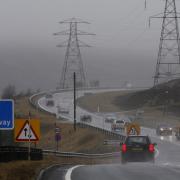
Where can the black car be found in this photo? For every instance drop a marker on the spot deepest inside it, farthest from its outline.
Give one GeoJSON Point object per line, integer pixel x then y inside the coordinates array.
{"type": "Point", "coordinates": [138, 148]}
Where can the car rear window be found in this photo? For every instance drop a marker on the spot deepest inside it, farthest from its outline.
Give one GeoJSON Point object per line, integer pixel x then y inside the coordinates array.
{"type": "Point", "coordinates": [137, 139]}
{"type": "Point", "coordinates": [120, 122]}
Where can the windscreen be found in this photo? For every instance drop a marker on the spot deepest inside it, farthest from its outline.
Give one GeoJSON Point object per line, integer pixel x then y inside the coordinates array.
{"type": "Point", "coordinates": [139, 140]}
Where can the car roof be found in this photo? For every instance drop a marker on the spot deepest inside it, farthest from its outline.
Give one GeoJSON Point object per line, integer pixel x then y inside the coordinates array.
{"type": "Point", "coordinates": [141, 136]}
{"type": "Point", "coordinates": [164, 125]}
{"type": "Point", "coordinates": [137, 136]}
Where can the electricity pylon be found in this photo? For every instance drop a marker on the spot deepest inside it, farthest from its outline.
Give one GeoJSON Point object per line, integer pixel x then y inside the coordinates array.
{"type": "Point", "coordinates": [168, 61]}
{"type": "Point", "coordinates": [73, 60]}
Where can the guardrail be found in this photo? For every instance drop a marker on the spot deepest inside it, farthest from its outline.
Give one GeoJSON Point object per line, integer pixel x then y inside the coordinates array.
{"type": "Point", "coordinates": [112, 142]}
{"type": "Point", "coordinates": [104, 131]}
{"type": "Point", "coordinates": [82, 125]}
{"type": "Point", "coordinates": [11, 153]}
{"type": "Point", "coordinates": [80, 155]}
{"type": "Point", "coordinates": [35, 104]}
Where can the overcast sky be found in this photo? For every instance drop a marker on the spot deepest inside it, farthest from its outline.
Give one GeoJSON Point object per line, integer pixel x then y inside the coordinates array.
{"type": "Point", "coordinates": [124, 47]}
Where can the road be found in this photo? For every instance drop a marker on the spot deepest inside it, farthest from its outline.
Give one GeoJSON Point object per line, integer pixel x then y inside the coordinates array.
{"type": "Point", "coordinates": [66, 99]}
{"type": "Point", "coordinates": [130, 172]}
{"type": "Point", "coordinates": [166, 167]}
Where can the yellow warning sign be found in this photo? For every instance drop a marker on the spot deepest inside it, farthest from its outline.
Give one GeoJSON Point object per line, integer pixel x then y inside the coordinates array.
{"type": "Point", "coordinates": [26, 130]}
{"type": "Point", "coordinates": [133, 129]}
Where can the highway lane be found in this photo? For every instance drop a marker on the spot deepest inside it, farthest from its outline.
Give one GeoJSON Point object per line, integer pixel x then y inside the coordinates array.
{"type": "Point", "coordinates": [167, 165]}
{"type": "Point", "coordinates": [66, 99]}
{"type": "Point", "coordinates": [126, 172]}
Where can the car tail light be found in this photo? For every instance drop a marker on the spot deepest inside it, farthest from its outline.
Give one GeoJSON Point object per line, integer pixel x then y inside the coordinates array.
{"type": "Point", "coordinates": [124, 148]}
{"type": "Point", "coordinates": [151, 148]}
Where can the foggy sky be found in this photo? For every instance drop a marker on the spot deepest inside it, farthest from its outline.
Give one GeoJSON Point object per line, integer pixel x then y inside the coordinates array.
{"type": "Point", "coordinates": [124, 47]}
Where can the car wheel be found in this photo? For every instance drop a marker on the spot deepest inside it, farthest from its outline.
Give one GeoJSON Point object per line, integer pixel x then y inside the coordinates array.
{"type": "Point", "coordinates": [123, 161]}
{"type": "Point", "coordinates": [153, 161]}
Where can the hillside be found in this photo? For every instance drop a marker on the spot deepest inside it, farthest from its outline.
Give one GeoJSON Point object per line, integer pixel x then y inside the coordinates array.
{"type": "Point", "coordinates": [163, 94]}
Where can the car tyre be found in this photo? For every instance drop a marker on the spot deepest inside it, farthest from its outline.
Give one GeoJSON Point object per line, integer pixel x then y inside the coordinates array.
{"type": "Point", "coordinates": [123, 161]}
{"type": "Point", "coordinates": [153, 161]}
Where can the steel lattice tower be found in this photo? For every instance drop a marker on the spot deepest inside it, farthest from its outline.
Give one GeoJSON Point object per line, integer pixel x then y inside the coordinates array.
{"type": "Point", "coordinates": [168, 61]}
{"type": "Point", "coordinates": [73, 60]}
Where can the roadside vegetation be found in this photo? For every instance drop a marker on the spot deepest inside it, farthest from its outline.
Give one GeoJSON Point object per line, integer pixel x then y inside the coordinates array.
{"type": "Point", "coordinates": [159, 105]}
{"type": "Point", "coordinates": [102, 102]}
{"type": "Point", "coordinates": [83, 140]}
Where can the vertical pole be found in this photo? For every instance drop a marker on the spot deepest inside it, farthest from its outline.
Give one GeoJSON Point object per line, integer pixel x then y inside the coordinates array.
{"type": "Point", "coordinates": [74, 75]}
{"type": "Point", "coordinates": [56, 145]}
{"type": "Point", "coordinates": [166, 103]}
{"type": "Point", "coordinates": [29, 135]}
{"type": "Point", "coordinates": [98, 109]}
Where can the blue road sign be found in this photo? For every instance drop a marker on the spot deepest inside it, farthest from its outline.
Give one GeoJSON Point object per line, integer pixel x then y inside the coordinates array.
{"type": "Point", "coordinates": [6, 114]}
{"type": "Point", "coordinates": [57, 137]}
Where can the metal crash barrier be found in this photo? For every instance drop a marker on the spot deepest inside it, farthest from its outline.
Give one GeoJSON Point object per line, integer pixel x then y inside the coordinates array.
{"type": "Point", "coordinates": [11, 153]}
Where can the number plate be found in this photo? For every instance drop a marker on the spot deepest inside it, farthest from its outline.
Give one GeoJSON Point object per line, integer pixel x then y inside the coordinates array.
{"type": "Point", "coordinates": [137, 149]}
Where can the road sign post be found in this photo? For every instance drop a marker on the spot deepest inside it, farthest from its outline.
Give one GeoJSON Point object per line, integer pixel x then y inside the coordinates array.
{"type": "Point", "coordinates": [29, 134]}
{"type": "Point", "coordinates": [57, 137]}
{"type": "Point", "coordinates": [6, 114]}
{"type": "Point", "coordinates": [74, 75]}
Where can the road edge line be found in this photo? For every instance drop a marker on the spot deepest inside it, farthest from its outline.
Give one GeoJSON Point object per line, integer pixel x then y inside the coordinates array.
{"type": "Point", "coordinates": [157, 153]}
{"type": "Point", "coordinates": [69, 172]}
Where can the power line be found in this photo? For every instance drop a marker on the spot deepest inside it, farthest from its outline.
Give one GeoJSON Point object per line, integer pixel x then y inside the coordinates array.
{"type": "Point", "coordinates": [168, 61]}
{"type": "Point", "coordinates": [73, 60]}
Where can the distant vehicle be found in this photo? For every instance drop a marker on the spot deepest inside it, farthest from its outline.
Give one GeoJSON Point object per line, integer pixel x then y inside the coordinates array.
{"type": "Point", "coordinates": [138, 149]}
{"type": "Point", "coordinates": [62, 110]}
{"type": "Point", "coordinates": [86, 118]}
{"type": "Point", "coordinates": [110, 118]}
{"type": "Point", "coordinates": [49, 100]}
{"type": "Point", "coordinates": [164, 130]}
{"type": "Point", "coordinates": [118, 125]}
{"type": "Point", "coordinates": [177, 132]}
{"type": "Point", "coordinates": [49, 95]}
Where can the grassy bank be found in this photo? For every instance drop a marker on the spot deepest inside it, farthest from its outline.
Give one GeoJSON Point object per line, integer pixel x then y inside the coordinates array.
{"type": "Point", "coordinates": [83, 140]}
{"type": "Point", "coordinates": [105, 101]}
{"type": "Point", "coordinates": [111, 102]}
{"type": "Point", "coordinates": [29, 170]}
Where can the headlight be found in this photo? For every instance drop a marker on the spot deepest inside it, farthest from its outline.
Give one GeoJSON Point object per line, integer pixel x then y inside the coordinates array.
{"type": "Point", "coordinates": [161, 129]}
{"type": "Point", "coordinates": [170, 129]}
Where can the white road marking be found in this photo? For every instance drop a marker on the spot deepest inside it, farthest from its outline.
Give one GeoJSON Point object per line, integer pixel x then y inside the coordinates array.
{"type": "Point", "coordinates": [157, 153]}
{"type": "Point", "coordinates": [69, 172]}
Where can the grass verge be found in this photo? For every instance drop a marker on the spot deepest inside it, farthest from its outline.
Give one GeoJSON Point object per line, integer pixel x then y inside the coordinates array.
{"type": "Point", "coordinates": [83, 140]}
{"type": "Point", "coordinates": [110, 102]}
